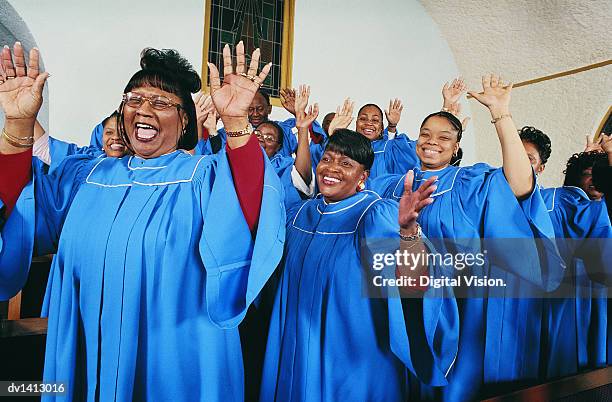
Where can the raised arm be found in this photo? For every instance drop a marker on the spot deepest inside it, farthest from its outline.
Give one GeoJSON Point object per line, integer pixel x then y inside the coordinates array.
{"type": "Point", "coordinates": [232, 101]}
{"type": "Point", "coordinates": [517, 169]}
{"type": "Point", "coordinates": [394, 113]}
{"type": "Point", "coordinates": [20, 98]}
{"type": "Point", "coordinates": [410, 205]}
{"type": "Point", "coordinates": [303, 119]}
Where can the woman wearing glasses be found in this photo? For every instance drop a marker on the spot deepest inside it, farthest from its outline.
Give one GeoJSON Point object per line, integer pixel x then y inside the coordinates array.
{"type": "Point", "coordinates": [145, 294]}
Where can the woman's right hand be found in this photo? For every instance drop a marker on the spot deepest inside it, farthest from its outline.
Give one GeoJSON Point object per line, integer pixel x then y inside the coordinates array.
{"type": "Point", "coordinates": [21, 87]}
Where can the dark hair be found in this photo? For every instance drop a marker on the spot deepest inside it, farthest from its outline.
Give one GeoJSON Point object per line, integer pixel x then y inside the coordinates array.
{"type": "Point", "coordinates": [279, 131]}
{"type": "Point", "coordinates": [539, 139]}
{"type": "Point", "coordinates": [167, 70]}
{"type": "Point", "coordinates": [265, 95]}
{"type": "Point", "coordinates": [453, 120]}
{"type": "Point", "coordinates": [352, 144]}
{"type": "Point", "coordinates": [456, 159]}
{"type": "Point", "coordinates": [578, 163]}
{"type": "Point", "coordinates": [374, 105]}
{"type": "Point", "coordinates": [113, 115]}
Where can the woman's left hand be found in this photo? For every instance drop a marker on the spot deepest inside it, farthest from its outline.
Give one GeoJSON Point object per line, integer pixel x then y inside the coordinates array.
{"type": "Point", "coordinates": [412, 202]}
{"type": "Point", "coordinates": [233, 98]}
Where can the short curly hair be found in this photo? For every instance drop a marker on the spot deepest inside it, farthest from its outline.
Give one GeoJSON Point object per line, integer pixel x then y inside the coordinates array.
{"type": "Point", "coordinates": [539, 139]}
{"type": "Point", "coordinates": [578, 163]}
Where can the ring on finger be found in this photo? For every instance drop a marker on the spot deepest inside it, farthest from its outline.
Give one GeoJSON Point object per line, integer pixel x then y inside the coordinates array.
{"type": "Point", "coordinates": [10, 77]}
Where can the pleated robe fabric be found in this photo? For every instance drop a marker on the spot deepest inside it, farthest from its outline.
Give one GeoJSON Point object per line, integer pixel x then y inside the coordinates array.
{"type": "Point", "coordinates": [328, 341]}
{"type": "Point", "coordinates": [576, 326]}
{"type": "Point", "coordinates": [475, 209]}
{"type": "Point", "coordinates": [155, 268]}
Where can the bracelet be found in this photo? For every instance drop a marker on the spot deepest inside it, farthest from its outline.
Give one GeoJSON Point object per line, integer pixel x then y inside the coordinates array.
{"type": "Point", "coordinates": [498, 118]}
{"type": "Point", "coordinates": [413, 237]}
{"type": "Point", "coordinates": [25, 142]}
{"type": "Point", "coordinates": [246, 131]}
{"type": "Point", "coordinates": [391, 125]}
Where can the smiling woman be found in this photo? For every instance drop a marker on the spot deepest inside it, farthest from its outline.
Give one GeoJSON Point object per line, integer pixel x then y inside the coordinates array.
{"type": "Point", "coordinates": [157, 113]}
{"type": "Point", "coordinates": [144, 295]}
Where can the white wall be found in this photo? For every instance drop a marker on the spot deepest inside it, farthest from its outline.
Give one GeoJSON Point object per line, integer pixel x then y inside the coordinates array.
{"type": "Point", "coordinates": [527, 39]}
{"type": "Point", "coordinates": [92, 49]}
{"type": "Point", "coordinates": [368, 51]}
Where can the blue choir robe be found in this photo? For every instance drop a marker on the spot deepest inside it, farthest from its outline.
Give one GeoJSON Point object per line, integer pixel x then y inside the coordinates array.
{"type": "Point", "coordinates": [97, 136]}
{"type": "Point", "coordinates": [329, 341]}
{"type": "Point", "coordinates": [395, 156]}
{"type": "Point", "coordinates": [576, 327]}
{"type": "Point", "coordinates": [155, 268]}
{"type": "Point", "coordinates": [475, 210]}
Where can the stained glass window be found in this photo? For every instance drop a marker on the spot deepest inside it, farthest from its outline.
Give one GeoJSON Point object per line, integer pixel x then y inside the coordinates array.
{"type": "Point", "coordinates": [267, 24]}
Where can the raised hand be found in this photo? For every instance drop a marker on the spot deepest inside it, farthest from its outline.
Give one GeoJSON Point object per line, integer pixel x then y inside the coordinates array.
{"type": "Point", "coordinates": [605, 141]}
{"type": "Point", "coordinates": [343, 117]}
{"type": "Point", "coordinates": [202, 103]}
{"type": "Point", "coordinates": [21, 87]}
{"type": "Point", "coordinates": [591, 145]}
{"type": "Point", "coordinates": [394, 112]}
{"type": "Point", "coordinates": [412, 202]}
{"type": "Point", "coordinates": [287, 96]}
{"type": "Point", "coordinates": [495, 94]}
{"type": "Point", "coordinates": [455, 109]}
{"type": "Point", "coordinates": [453, 91]}
{"type": "Point", "coordinates": [233, 98]}
{"type": "Point", "coordinates": [304, 117]}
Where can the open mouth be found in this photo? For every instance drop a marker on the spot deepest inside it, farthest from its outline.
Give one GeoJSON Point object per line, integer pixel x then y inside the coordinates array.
{"type": "Point", "coordinates": [330, 181]}
{"type": "Point", "coordinates": [431, 152]}
{"type": "Point", "coordinates": [145, 132]}
{"type": "Point", "coordinates": [369, 132]}
{"type": "Point", "coordinates": [117, 147]}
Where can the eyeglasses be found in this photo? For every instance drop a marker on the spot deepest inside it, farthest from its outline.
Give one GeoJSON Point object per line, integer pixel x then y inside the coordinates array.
{"type": "Point", "coordinates": [266, 137]}
{"type": "Point", "coordinates": [157, 102]}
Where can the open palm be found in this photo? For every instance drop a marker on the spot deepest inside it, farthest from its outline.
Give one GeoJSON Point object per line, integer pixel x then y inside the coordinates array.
{"type": "Point", "coordinates": [233, 98]}
{"type": "Point", "coordinates": [495, 94]}
{"type": "Point", "coordinates": [20, 87]}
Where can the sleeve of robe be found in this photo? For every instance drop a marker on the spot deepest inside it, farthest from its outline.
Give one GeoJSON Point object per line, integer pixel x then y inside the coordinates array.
{"type": "Point", "coordinates": [588, 228]}
{"type": "Point", "coordinates": [508, 226]}
{"type": "Point", "coordinates": [34, 226]}
{"type": "Point", "coordinates": [237, 263]}
{"type": "Point", "coordinates": [387, 185]}
{"type": "Point", "coordinates": [423, 332]}
{"type": "Point", "coordinates": [400, 155]}
{"type": "Point", "coordinates": [96, 136]}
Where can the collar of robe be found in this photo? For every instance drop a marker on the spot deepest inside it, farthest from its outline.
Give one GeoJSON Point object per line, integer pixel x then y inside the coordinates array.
{"type": "Point", "coordinates": [136, 162]}
{"type": "Point", "coordinates": [445, 182]}
{"type": "Point", "coordinates": [327, 208]}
